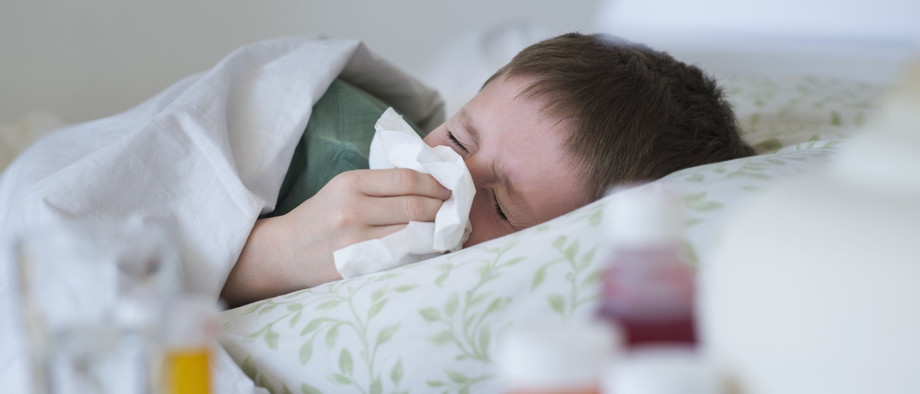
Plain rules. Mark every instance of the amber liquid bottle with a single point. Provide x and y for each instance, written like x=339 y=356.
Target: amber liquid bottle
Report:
x=648 y=289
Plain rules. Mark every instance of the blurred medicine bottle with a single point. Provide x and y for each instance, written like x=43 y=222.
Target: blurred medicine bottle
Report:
x=556 y=358
x=648 y=289
x=188 y=347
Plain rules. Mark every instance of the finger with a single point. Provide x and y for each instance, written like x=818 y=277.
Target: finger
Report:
x=382 y=211
x=401 y=182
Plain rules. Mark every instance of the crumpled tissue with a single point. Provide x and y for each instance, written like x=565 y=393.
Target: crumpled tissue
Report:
x=396 y=145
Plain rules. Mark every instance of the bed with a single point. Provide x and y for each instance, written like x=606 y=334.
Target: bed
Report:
x=433 y=326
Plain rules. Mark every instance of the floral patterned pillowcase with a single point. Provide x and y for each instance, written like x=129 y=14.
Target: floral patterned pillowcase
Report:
x=433 y=326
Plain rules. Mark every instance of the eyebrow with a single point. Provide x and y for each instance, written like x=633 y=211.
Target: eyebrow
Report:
x=509 y=188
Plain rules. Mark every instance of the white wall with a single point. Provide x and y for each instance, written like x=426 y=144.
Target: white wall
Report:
x=90 y=58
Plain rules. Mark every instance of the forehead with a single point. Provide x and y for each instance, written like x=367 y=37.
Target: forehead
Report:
x=527 y=148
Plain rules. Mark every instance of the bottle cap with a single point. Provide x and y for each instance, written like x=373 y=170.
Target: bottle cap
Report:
x=661 y=370
x=192 y=322
x=556 y=356
x=646 y=215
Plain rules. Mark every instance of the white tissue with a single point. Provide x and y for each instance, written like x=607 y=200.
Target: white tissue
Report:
x=395 y=144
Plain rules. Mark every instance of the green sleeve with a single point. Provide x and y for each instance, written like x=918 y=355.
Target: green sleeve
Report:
x=337 y=139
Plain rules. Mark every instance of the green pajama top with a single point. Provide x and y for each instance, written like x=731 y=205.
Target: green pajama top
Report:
x=337 y=139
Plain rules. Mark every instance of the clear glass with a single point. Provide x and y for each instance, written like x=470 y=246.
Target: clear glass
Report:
x=92 y=300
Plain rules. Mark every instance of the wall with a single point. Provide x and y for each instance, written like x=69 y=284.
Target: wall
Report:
x=86 y=59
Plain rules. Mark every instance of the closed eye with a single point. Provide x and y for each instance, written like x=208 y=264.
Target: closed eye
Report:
x=498 y=209
x=456 y=142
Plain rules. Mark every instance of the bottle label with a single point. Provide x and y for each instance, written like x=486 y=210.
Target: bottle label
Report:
x=651 y=302
x=188 y=370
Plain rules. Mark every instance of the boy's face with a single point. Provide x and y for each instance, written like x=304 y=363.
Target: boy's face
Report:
x=515 y=154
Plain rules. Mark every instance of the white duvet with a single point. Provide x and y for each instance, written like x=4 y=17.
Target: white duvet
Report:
x=207 y=156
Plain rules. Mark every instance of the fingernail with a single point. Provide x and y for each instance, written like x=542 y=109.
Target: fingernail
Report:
x=445 y=193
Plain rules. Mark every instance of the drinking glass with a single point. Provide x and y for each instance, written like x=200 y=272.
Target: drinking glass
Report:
x=93 y=298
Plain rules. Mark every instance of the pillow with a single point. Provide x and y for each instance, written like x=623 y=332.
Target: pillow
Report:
x=781 y=112
x=433 y=326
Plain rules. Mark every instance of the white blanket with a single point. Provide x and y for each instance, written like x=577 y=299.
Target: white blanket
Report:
x=206 y=156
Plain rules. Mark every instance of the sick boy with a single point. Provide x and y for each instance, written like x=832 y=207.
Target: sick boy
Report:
x=553 y=130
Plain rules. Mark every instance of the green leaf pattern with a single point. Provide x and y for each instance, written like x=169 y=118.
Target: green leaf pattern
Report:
x=359 y=368
x=775 y=113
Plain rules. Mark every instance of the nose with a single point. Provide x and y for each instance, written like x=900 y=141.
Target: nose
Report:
x=482 y=175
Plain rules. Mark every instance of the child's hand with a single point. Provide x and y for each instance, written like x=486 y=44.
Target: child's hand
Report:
x=294 y=251
x=356 y=206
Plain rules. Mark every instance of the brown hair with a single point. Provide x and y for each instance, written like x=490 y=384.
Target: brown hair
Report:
x=638 y=114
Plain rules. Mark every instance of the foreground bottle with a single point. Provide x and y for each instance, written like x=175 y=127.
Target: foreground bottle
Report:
x=188 y=347
x=648 y=289
x=547 y=358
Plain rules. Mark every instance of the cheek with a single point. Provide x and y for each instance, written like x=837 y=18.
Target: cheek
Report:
x=482 y=218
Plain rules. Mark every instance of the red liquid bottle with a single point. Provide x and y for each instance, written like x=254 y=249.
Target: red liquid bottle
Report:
x=648 y=289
